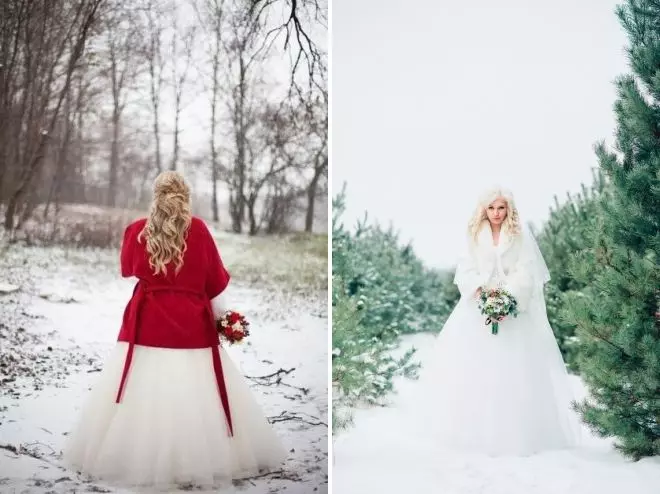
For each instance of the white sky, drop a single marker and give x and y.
(434, 100)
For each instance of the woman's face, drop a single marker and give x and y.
(496, 211)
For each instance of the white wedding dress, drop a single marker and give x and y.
(170, 427)
(504, 394)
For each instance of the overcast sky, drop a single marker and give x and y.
(434, 100)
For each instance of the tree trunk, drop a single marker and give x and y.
(251, 204)
(214, 151)
(311, 199)
(114, 162)
(241, 143)
(218, 23)
(236, 217)
(62, 158)
(21, 190)
(11, 212)
(177, 115)
(159, 160)
(155, 79)
(155, 103)
(214, 198)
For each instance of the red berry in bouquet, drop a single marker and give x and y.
(233, 327)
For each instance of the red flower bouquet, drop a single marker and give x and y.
(233, 327)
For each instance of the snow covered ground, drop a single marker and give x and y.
(376, 456)
(56, 330)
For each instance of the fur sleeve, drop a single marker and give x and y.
(529, 272)
(468, 277)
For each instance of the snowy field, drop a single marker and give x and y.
(375, 455)
(60, 311)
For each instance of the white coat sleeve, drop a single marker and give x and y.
(220, 303)
(468, 277)
(529, 272)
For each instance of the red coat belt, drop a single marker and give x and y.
(140, 294)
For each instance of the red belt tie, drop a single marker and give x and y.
(139, 296)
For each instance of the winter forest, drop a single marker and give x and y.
(602, 248)
(97, 97)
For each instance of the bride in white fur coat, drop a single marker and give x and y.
(498, 394)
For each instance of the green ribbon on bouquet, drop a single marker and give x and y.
(494, 325)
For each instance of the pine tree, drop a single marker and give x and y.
(617, 314)
(362, 365)
(566, 233)
(380, 291)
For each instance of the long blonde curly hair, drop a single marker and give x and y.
(511, 223)
(167, 224)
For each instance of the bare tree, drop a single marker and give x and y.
(242, 54)
(301, 19)
(73, 157)
(211, 15)
(298, 140)
(180, 76)
(264, 160)
(316, 123)
(280, 147)
(122, 35)
(274, 169)
(13, 19)
(46, 41)
(217, 48)
(156, 64)
(280, 205)
(62, 159)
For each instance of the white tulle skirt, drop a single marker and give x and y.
(170, 427)
(504, 394)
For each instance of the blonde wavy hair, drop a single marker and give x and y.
(511, 223)
(167, 224)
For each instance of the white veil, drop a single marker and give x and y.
(532, 260)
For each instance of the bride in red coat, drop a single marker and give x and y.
(170, 406)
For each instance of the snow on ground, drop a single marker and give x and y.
(56, 331)
(375, 455)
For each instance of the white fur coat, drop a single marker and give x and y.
(513, 258)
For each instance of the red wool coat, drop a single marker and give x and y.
(174, 311)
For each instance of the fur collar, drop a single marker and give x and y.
(485, 238)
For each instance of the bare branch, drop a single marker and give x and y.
(297, 13)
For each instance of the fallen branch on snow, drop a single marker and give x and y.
(277, 474)
(274, 374)
(9, 447)
(286, 416)
(275, 379)
(22, 450)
